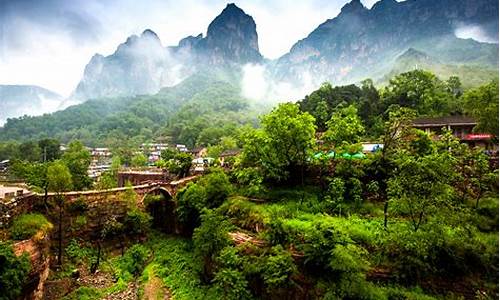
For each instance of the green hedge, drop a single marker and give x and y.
(27, 225)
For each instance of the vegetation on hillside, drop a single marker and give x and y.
(301, 213)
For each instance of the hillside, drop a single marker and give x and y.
(470, 75)
(361, 42)
(115, 120)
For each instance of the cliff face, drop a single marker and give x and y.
(231, 38)
(361, 42)
(357, 44)
(38, 250)
(142, 65)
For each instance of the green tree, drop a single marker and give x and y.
(345, 127)
(180, 164)
(50, 149)
(419, 90)
(210, 238)
(421, 185)
(281, 147)
(396, 129)
(77, 159)
(30, 151)
(482, 104)
(60, 180)
(139, 160)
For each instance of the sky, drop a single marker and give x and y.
(49, 42)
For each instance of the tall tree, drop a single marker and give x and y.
(419, 90)
(50, 149)
(345, 127)
(286, 137)
(482, 103)
(59, 178)
(77, 159)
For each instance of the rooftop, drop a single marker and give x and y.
(443, 121)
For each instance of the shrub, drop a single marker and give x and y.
(232, 284)
(217, 188)
(134, 260)
(27, 225)
(13, 272)
(137, 222)
(76, 252)
(278, 269)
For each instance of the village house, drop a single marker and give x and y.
(461, 127)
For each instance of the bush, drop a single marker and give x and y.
(27, 225)
(278, 269)
(76, 252)
(13, 272)
(217, 187)
(134, 260)
(232, 284)
(137, 222)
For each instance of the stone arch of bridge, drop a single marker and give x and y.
(163, 210)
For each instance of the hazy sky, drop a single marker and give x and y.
(49, 42)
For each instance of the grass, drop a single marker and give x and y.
(176, 265)
(27, 225)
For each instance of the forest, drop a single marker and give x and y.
(284, 219)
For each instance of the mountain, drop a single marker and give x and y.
(19, 100)
(361, 42)
(471, 75)
(142, 65)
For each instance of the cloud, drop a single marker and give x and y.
(475, 32)
(49, 42)
(257, 85)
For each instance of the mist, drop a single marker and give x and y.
(475, 32)
(258, 85)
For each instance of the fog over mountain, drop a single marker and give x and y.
(358, 43)
(19, 100)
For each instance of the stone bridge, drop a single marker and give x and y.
(28, 202)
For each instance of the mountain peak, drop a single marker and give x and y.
(353, 7)
(382, 4)
(231, 7)
(150, 33)
(232, 35)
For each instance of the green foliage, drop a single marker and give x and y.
(180, 164)
(77, 252)
(344, 127)
(278, 269)
(210, 238)
(13, 272)
(50, 149)
(217, 187)
(59, 177)
(419, 90)
(421, 185)
(139, 160)
(27, 225)
(280, 148)
(137, 222)
(77, 159)
(176, 264)
(232, 284)
(134, 260)
(209, 192)
(482, 103)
